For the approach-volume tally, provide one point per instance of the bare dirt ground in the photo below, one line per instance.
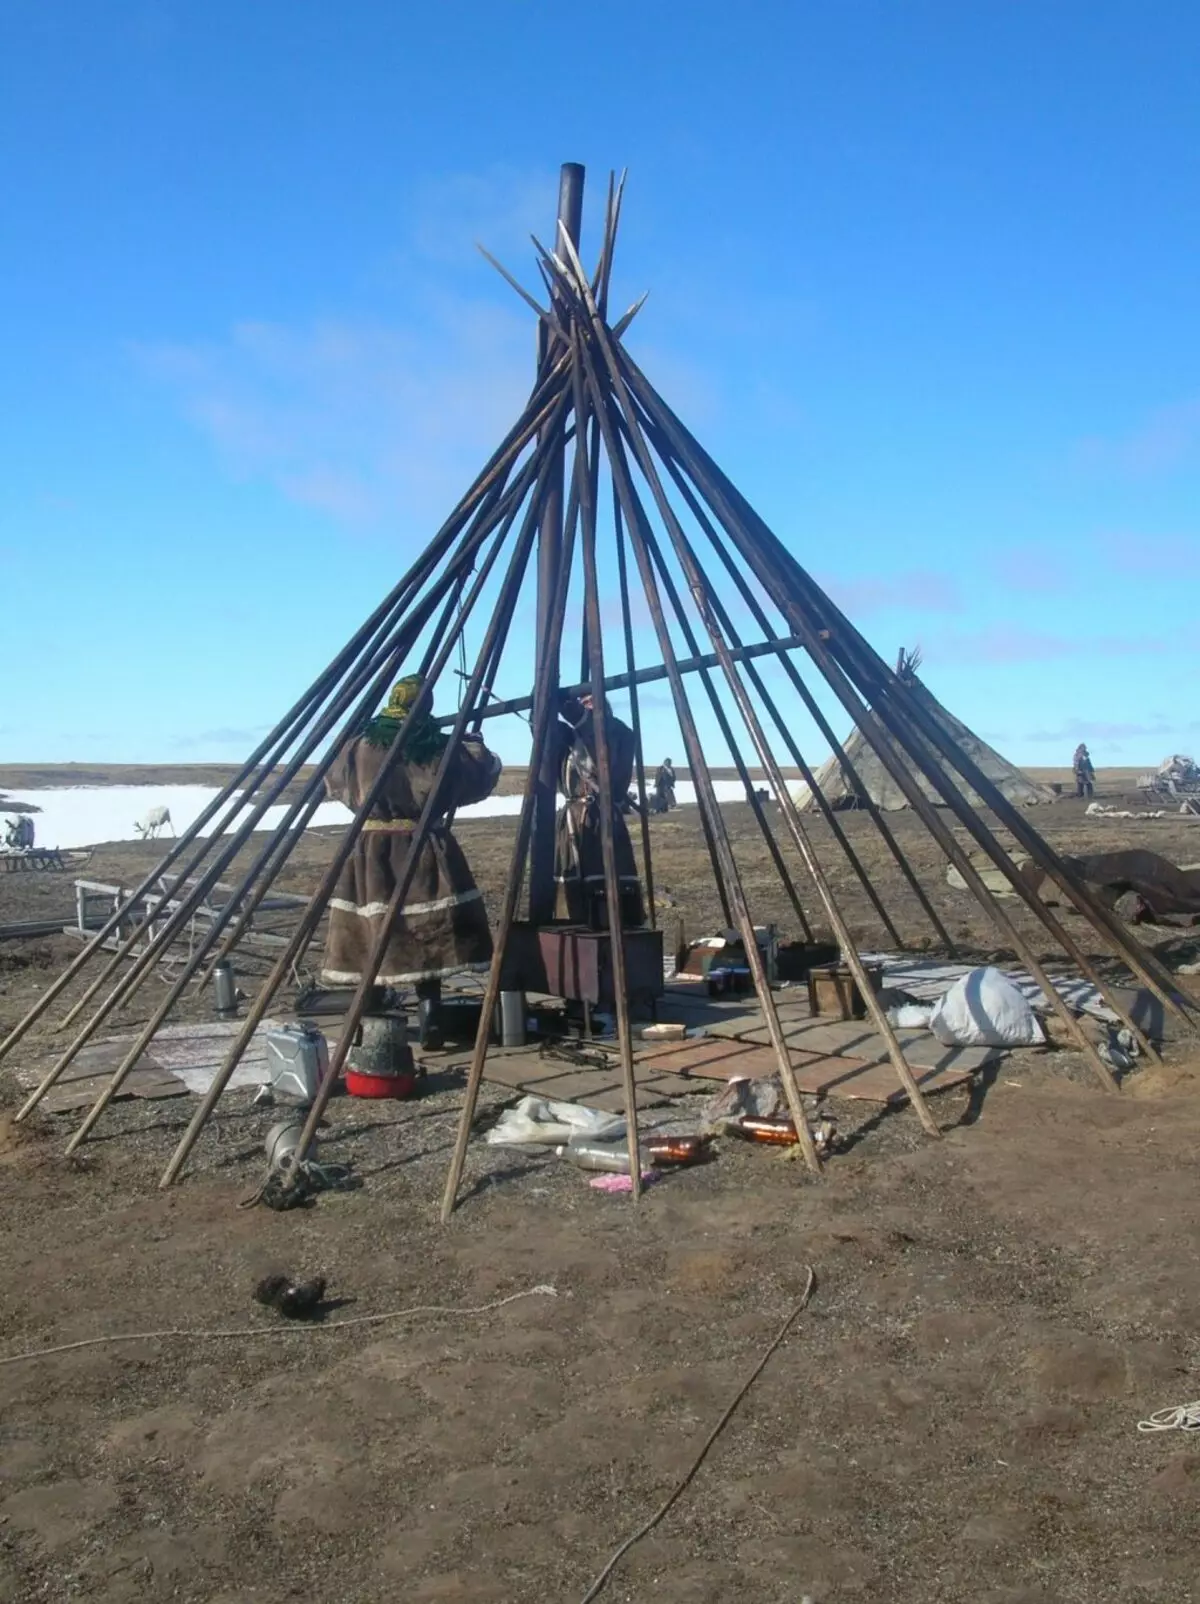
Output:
(952, 1420)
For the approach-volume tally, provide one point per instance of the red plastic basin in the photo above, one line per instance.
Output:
(359, 1085)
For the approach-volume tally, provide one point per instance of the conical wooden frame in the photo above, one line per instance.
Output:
(687, 545)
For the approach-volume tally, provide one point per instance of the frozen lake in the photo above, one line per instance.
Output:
(83, 816)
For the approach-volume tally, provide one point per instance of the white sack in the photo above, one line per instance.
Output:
(911, 1015)
(984, 1009)
(538, 1120)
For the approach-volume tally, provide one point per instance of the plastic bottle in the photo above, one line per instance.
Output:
(589, 1154)
(780, 1132)
(666, 1152)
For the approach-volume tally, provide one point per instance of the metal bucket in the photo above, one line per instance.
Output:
(381, 1046)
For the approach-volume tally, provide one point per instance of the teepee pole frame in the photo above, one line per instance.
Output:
(701, 593)
(727, 734)
(834, 626)
(545, 714)
(589, 397)
(505, 454)
(395, 650)
(828, 813)
(368, 702)
(637, 523)
(782, 598)
(433, 809)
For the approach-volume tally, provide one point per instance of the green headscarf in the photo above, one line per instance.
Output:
(425, 740)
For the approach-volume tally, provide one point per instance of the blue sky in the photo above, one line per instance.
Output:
(922, 275)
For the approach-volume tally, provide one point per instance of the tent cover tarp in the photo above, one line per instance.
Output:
(885, 792)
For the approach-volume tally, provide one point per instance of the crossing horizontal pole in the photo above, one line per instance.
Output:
(644, 676)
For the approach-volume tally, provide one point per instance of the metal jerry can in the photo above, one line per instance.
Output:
(297, 1061)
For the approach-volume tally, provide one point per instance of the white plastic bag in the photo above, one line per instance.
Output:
(911, 1015)
(537, 1120)
(984, 1009)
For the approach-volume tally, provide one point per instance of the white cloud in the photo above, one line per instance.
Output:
(499, 208)
(1165, 441)
(367, 418)
(1099, 730)
(920, 591)
(1010, 643)
(362, 421)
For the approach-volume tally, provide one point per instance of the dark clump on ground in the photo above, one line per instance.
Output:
(953, 1419)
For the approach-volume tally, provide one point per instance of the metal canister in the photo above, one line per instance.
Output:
(771, 955)
(512, 1013)
(283, 1140)
(224, 987)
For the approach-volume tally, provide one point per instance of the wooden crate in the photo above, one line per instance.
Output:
(833, 994)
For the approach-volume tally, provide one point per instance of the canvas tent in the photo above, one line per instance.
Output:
(841, 792)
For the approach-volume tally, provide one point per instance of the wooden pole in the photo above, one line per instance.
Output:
(325, 889)
(550, 540)
(662, 447)
(635, 715)
(643, 676)
(726, 729)
(770, 577)
(769, 559)
(706, 796)
(545, 396)
(544, 716)
(701, 594)
(147, 1035)
(607, 800)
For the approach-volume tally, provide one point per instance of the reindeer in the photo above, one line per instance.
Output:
(152, 826)
(19, 833)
